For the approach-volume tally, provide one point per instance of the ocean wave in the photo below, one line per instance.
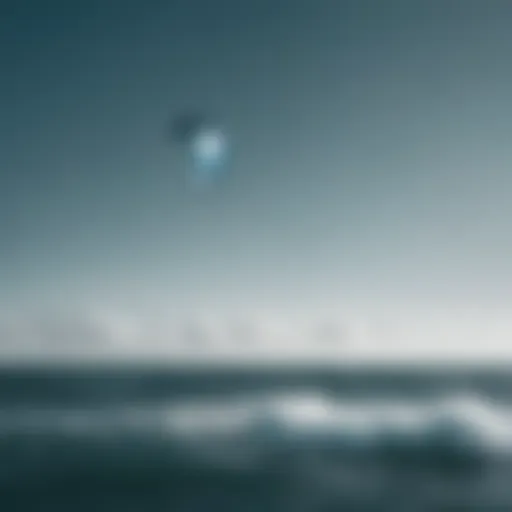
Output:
(254, 430)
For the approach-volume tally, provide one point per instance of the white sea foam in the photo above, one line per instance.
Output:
(292, 419)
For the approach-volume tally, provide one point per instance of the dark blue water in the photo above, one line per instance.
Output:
(152, 439)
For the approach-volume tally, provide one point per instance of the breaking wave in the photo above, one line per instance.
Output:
(250, 429)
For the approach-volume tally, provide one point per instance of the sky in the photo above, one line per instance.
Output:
(369, 185)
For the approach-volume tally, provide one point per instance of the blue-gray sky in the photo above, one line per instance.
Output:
(372, 152)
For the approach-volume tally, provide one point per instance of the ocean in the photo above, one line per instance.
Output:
(284, 439)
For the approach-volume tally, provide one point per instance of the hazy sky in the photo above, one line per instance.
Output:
(372, 153)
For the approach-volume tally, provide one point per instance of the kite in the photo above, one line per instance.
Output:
(206, 143)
